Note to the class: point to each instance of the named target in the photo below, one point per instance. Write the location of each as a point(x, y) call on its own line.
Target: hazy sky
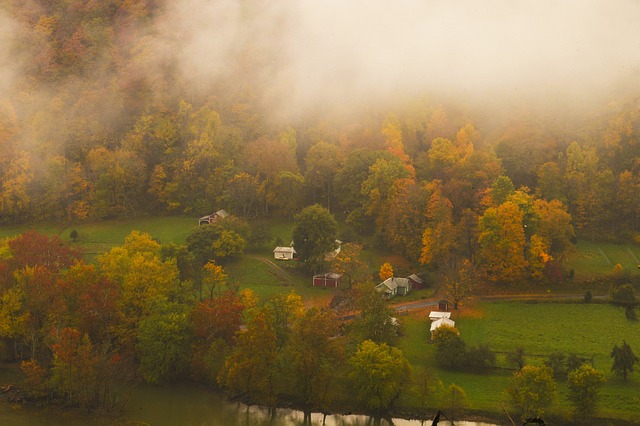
point(336, 51)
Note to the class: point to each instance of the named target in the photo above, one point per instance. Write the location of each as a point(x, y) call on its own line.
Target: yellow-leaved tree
point(386, 271)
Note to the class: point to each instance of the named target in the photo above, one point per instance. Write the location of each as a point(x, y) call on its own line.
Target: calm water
point(186, 405)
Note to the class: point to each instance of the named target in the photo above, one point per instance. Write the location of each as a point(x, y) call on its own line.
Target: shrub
point(480, 357)
point(532, 390)
point(630, 313)
point(588, 297)
point(557, 363)
point(450, 348)
point(574, 362)
point(624, 295)
point(516, 358)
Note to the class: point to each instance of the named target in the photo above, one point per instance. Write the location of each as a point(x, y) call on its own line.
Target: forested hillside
point(102, 117)
point(285, 112)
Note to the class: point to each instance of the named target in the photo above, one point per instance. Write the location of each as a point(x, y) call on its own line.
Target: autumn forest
point(102, 117)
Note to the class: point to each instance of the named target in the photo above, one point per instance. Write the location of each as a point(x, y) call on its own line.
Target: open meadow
point(587, 330)
point(592, 259)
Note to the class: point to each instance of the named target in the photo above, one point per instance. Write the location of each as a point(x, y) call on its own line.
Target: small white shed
point(284, 253)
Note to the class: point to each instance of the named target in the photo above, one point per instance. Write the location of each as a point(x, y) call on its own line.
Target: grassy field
point(592, 259)
point(540, 328)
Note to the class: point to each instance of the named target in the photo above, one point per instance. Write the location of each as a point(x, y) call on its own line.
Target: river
point(185, 405)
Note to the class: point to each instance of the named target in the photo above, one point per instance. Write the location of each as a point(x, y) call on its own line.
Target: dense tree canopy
point(314, 234)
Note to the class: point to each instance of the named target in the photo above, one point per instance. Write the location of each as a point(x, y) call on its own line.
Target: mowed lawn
point(593, 258)
point(588, 330)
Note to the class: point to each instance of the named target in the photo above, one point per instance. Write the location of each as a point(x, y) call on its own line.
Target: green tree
point(404, 220)
point(451, 350)
point(314, 354)
point(584, 390)
point(374, 321)
point(252, 365)
point(550, 182)
point(532, 390)
point(379, 187)
point(624, 295)
point(438, 239)
point(426, 386)
point(456, 399)
point(241, 194)
point(228, 244)
point(623, 360)
point(285, 310)
point(557, 362)
point(217, 241)
point(501, 190)
point(286, 193)
point(517, 357)
point(322, 163)
point(163, 343)
point(378, 374)
point(480, 357)
point(348, 183)
point(143, 279)
point(314, 234)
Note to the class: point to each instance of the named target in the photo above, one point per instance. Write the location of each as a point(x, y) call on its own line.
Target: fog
point(302, 55)
point(294, 57)
point(9, 63)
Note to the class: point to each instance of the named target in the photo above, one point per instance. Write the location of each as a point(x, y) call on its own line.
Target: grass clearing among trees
point(588, 330)
point(593, 259)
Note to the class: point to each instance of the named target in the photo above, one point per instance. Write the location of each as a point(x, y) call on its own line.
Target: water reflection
point(190, 405)
point(255, 416)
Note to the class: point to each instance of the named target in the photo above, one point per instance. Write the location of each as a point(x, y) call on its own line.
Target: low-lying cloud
point(318, 54)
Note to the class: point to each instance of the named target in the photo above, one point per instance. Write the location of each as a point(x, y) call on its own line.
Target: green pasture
point(594, 258)
point(266, 281)
point(589, 330)
point(113, 232)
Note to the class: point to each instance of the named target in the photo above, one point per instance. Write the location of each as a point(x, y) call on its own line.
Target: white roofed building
point(284, 253)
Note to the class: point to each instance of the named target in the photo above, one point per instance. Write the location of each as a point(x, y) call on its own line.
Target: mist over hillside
point(121, 107)
point(350, 54)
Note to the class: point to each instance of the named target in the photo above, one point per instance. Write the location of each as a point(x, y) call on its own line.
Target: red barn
point(330, 279)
